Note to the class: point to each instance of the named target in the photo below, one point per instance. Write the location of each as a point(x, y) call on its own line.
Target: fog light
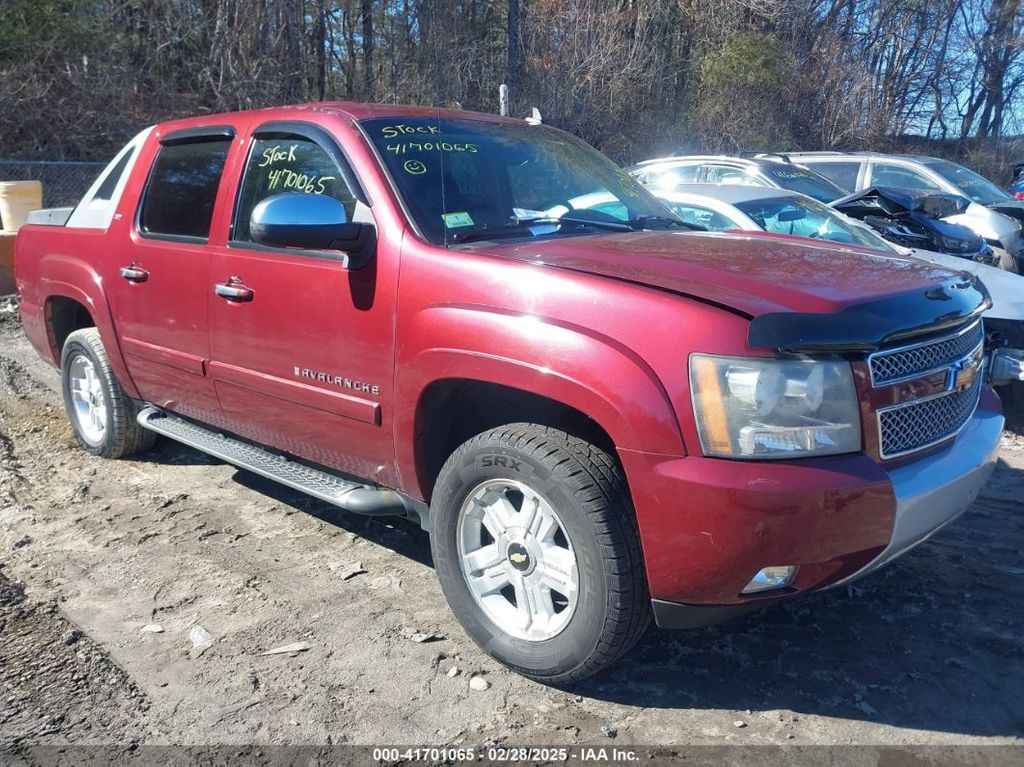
point(771, 578)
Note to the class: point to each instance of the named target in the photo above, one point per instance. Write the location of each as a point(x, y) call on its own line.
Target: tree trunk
point(367, 13)
point(514, 65)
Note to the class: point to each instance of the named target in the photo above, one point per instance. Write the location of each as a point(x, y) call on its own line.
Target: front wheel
point(534, 541)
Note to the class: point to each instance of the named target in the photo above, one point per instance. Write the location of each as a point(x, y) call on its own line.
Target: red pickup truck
point(600, 415)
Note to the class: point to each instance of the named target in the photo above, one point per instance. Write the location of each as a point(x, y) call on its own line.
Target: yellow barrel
point(17, 198)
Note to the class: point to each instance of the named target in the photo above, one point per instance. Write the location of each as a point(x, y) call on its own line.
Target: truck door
point(302, 346)
point(161, 280)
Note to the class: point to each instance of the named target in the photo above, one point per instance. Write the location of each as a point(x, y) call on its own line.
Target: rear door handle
point(134, 273)
point(233, 290)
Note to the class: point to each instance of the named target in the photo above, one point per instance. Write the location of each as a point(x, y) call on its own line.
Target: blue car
point(1016, 187)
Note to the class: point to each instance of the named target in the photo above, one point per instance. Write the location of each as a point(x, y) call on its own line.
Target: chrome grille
point(921, 423)
point(908, 362)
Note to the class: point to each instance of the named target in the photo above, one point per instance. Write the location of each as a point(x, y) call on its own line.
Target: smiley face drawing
point(415, 167)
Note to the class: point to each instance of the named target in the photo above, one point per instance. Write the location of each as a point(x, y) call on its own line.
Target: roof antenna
point(534, 118)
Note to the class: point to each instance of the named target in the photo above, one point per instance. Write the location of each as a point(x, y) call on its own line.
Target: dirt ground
point(108, 567)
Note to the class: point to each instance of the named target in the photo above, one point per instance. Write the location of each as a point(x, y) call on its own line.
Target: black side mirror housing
point(311, 222)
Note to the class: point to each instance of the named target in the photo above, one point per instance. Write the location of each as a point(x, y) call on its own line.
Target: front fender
point(593, 374)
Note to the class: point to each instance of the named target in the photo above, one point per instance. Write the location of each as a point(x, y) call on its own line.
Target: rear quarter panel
point(56, 261)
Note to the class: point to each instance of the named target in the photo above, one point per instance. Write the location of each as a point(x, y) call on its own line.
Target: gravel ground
point(137, 599)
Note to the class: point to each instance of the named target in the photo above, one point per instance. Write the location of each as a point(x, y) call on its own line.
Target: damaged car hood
point(891, 202)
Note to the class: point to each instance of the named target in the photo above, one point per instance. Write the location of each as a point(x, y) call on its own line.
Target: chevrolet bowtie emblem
point(963, 372)
point(517, 558)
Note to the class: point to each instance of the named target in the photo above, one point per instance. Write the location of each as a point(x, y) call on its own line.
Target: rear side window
point(726, 174)
point(842, 174)
point(280, 163)
point(885, 174)
point(672, 177)
point(182, 188)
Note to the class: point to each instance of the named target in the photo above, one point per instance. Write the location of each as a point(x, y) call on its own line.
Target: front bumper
point(932, 492)
point(708, 525)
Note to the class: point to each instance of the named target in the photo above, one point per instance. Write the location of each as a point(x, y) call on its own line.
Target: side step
point(347, 494)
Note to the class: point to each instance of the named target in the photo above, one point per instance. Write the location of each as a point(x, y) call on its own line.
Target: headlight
point(747, 407)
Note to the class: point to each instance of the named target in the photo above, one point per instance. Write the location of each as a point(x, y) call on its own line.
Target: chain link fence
point(64, 182)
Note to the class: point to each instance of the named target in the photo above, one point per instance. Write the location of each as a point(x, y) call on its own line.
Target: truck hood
point(750, 274)
point(844, 298)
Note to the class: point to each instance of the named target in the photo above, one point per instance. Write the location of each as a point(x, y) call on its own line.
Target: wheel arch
point(68, 307)
point(452, 410)
point(456, 393)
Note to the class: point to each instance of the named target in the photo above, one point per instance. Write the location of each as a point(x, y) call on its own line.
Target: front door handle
point(134, 273)
point(233, 290)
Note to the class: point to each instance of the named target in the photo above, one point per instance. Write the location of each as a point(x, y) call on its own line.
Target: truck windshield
point(465, 180)
point(970, 184)
point(797, 179)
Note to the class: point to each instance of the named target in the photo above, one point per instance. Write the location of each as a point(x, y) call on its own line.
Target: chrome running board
point(347, 494)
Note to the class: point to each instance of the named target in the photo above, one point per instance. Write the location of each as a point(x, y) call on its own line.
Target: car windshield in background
point(972, 185)
point(469, 180)
point(797, 179)
point(808, 218)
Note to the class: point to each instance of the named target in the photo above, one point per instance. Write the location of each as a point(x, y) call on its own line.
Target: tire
point(551, 475)
point(102, 416)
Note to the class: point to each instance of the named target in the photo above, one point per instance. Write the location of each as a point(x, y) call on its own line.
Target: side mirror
point(311, 222)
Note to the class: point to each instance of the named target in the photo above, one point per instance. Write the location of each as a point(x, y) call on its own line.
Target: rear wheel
point(103, 417)
point(535, 544)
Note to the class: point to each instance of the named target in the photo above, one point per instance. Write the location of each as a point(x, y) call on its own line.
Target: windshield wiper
point(522, 228)
point(617, 226)
point(489, 234)
point(644, 222)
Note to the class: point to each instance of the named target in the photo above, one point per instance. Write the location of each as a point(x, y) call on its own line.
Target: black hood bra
point(869, 326)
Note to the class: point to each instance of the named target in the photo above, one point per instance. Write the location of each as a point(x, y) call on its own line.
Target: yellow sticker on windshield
point(455, 220)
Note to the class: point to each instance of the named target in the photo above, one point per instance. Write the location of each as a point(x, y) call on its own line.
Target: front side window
point(463, 180)
point(182, 188)
point(842, 174)
point(887, 174)
point(798, 179)
point(279, 163)
point(972, 185)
